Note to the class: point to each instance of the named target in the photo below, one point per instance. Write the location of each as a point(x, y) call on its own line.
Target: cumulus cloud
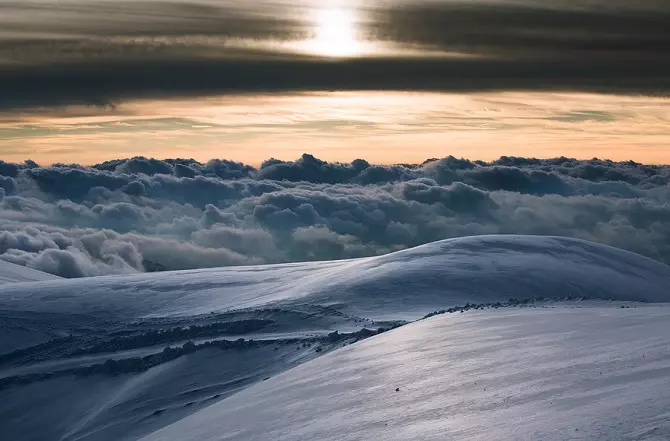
point(143, 214)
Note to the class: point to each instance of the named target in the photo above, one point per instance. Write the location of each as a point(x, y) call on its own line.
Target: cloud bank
point(142, 214)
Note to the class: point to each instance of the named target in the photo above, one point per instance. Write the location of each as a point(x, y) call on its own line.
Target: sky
point(388, 81)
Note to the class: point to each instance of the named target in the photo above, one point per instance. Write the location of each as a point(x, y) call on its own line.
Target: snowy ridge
point(411, 282)
point(12, 273)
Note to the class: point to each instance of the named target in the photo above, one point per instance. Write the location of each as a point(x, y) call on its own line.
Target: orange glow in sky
point(386, 127)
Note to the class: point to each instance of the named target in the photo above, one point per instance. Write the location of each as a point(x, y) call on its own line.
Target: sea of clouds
point(140, 214)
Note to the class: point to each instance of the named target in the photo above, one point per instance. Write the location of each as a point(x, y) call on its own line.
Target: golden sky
point(88, 81)
point(382, 127)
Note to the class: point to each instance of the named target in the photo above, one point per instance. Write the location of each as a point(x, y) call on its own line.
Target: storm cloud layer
point(100, 52)
point(144, 214)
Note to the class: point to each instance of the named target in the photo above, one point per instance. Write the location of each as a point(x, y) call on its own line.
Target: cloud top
point(143, 214)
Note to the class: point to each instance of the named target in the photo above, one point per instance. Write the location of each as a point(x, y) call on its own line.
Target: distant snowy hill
point(409, 283)
point(595, 373)
point(11, 273)
point(120, 357)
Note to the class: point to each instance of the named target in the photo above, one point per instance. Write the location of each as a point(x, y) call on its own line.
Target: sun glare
point(335, 33)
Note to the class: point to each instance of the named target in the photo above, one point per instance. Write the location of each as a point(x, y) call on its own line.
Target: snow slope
point(12, 273)
point(409, 283)
point(105, 358)
point(597, 373)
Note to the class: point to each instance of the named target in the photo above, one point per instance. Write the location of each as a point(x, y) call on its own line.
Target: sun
point(335, 33)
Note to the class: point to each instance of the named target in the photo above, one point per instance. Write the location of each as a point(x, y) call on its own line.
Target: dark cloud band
point(125, 51)
point(107, 83)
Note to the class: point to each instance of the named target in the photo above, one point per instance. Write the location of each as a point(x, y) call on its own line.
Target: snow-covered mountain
point(120, 357)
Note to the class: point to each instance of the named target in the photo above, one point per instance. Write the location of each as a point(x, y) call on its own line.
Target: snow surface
point(597, 373)
point(12, 273)
point(102, 358)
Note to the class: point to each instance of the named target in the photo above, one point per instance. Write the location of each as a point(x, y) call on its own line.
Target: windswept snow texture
point(597, 373)
point(116, 358)
point(11, 273)
point(408, 283)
